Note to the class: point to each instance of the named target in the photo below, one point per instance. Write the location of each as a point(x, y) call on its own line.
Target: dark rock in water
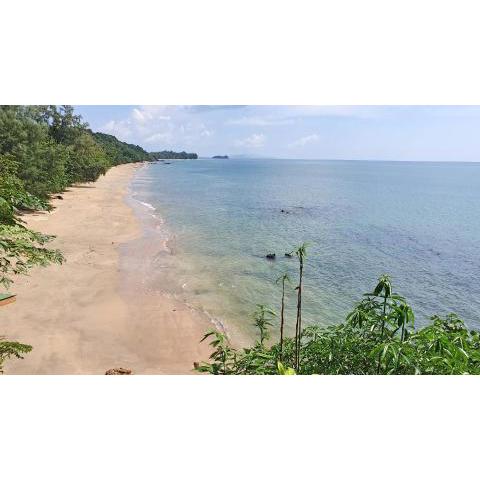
point(289, 255)
point(270, 256)
point(118, 371)
point(284, 211)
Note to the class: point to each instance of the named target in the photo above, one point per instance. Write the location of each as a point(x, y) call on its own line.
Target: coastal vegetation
point(170, 155)
point(44, 150)
point(377, 337)
point(120, 152)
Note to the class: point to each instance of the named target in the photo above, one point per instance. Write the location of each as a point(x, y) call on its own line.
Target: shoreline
point(90, 314)
point(164, 268)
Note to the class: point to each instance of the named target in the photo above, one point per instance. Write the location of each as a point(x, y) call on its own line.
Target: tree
point(301, 253)
point(86, 160)
point(283, 279)
point(43, 150)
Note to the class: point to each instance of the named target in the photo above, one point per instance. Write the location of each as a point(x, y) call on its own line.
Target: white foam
point(146, 204)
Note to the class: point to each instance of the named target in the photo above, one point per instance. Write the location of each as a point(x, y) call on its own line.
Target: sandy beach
point(79, 317)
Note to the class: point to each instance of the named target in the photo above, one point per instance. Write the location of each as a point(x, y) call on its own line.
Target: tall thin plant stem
point(382, 331)
point(384, 285)
point(283, 279)
point(301, 253)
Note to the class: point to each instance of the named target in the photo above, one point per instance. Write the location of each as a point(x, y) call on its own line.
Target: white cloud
point(147, 114)
point(256, 140)
point(206, 133)
point(259, 121)
point(120, 129)
point(161, 126)
point(352, 111)
point(302, 141)
point(159, 138)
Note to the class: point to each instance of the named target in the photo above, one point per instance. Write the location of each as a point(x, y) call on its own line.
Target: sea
point(211, 223)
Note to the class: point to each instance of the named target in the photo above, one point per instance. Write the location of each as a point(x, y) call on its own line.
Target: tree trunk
point(282, 319)
point(298, 325)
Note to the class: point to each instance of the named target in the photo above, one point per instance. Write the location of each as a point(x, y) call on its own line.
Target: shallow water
point(214, 221)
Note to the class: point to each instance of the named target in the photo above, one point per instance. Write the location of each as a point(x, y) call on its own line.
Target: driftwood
point(118, 371)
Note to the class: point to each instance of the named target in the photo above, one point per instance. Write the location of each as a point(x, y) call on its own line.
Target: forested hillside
point(120, 152)
point(168, 154)
point(48, 148)
point(43, 150)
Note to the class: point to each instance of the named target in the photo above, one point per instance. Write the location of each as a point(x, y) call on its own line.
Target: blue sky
point(419, 133)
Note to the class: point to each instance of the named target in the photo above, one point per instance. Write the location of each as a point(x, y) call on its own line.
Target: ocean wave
point(146, 204)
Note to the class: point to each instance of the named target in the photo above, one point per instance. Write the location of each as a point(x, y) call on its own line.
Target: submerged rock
point(270, 256)
point(118, 371)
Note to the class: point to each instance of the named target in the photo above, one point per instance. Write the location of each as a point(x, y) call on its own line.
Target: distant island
point(168, 154)
point(220, 156)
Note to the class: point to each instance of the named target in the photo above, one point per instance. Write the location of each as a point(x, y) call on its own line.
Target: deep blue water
point(419, 222)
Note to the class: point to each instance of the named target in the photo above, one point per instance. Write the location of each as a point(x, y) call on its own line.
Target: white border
point(239, 427)
point(256, 52)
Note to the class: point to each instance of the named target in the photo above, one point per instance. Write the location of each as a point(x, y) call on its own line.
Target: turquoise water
point(419, 222)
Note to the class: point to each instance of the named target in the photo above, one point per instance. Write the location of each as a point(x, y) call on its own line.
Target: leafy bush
point(11, 349)
point(377, 337)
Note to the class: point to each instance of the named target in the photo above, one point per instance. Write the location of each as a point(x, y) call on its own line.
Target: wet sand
point(85, 317)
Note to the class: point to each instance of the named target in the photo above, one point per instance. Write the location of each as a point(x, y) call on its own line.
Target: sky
point(414, 133)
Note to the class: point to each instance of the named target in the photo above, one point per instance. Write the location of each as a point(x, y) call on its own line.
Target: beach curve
point(78, 316)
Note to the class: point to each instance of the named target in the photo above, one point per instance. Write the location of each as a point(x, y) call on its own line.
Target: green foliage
point(86, 160)
point(119, 152)
point(11, 349)
point(263, 317)
point(222, 357)
point(39, 160)
point(64, 125)
point(282, 370)
point(168, 154)
point(21, 249)
point(43, 150)
point(301, 253)
point(283, 279)
point(51, 148)
point(377, 337)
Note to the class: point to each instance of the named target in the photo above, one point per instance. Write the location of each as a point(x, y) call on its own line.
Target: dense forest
point(168, 154)
point(120, 152)
point(43, 150)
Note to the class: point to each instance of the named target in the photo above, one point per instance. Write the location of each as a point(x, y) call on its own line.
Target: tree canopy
point(43, 150)
point(169, 154)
